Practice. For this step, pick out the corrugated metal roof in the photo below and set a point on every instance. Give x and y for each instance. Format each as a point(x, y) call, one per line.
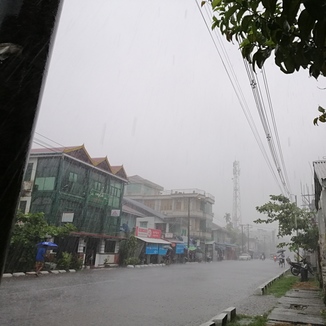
point(320, 170)
point(152, 240)
point(136, 203)
point(129, 210)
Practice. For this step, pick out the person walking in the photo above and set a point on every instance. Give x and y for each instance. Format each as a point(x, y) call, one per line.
point(40, 257)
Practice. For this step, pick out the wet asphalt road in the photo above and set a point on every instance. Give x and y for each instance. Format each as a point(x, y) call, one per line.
point(175, 295)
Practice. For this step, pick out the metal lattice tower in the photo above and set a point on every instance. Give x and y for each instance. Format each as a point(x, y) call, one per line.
point(236, 211)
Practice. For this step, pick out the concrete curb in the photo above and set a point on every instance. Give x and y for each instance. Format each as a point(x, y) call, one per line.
point(262, 289)
point(18, 274)
point(225, 317)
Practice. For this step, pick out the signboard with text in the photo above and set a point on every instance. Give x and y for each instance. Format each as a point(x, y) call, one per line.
point(148, 233)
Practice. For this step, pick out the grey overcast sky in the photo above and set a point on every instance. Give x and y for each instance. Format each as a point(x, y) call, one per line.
point(141, 82)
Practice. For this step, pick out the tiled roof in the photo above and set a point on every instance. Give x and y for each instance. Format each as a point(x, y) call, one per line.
point(102, 163)
point(119, 171)
point(81, 153)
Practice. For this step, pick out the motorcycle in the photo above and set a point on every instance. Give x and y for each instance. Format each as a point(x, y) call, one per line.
point(297, 266)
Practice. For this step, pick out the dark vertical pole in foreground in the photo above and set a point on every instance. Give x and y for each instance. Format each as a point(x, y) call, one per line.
point(27, 29)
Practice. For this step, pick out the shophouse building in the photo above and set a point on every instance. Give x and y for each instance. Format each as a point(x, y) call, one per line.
point(69, 186)
point(187, 213)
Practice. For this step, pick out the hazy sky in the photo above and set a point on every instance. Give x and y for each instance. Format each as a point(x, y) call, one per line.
point(141, 82)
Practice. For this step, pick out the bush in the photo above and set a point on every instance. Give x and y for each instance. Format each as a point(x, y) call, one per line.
point(132, 261)
point(65, 261)
point(76, 262)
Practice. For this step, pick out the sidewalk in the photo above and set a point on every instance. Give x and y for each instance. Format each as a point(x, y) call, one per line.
point(299, 306)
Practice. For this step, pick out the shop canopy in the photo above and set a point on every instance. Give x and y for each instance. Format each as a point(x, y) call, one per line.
point(153, 240)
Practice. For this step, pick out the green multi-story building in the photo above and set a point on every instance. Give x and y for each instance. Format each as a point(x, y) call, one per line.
point(71, 187)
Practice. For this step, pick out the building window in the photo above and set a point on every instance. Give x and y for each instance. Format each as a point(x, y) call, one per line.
point(72, 177)
point(178, 205)
point(28, 172)
point(22, 206)
point(166, 205)
point(46, 183)
point(143, 224)
point(150, 203)
point(97, 186)
point(110, 246)
point(115, 194)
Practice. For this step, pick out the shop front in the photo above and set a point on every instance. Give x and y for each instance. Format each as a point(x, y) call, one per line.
point(152, 250)
point(179, 251)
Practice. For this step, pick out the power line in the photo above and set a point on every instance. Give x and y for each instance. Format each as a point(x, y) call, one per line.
point(238, 91)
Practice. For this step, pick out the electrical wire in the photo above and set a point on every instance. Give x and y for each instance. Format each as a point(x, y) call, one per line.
point(238, 91)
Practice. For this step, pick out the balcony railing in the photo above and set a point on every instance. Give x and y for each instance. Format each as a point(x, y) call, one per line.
point(192, 191)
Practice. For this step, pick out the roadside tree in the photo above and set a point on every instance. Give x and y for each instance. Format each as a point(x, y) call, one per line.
point(293, 31)
point(29, 230)
point(297, 223)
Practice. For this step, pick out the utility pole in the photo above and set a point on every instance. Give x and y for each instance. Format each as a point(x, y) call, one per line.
point(236, 211)
point(241, 238)
point(248, 236)
point(296, 228)
point(188, 224)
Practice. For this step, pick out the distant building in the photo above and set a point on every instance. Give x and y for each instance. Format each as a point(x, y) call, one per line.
point(69, 186)
point(222, 242)
point(183, 209)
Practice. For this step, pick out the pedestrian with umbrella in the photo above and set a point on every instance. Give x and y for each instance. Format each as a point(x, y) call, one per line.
point(40, 254)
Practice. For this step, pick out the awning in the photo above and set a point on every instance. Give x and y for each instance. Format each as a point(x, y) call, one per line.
point(175, 241)
point(153, 240)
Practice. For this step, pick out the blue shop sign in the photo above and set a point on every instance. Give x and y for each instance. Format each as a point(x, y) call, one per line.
point(162, 251)
point(151, 249)
point(179, 249)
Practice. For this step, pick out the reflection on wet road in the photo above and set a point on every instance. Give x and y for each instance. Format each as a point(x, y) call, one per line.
point(177, 295)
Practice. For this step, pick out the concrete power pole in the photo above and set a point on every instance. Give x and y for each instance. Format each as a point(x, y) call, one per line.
point(236, 211)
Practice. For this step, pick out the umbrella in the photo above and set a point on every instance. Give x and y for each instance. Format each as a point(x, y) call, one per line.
point(280, 251)
point(47, 244)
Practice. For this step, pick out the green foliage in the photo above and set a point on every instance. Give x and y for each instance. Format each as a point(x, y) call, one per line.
point(127, 249)
point(282, 285)
point(65, 261)
point(132, 261)
point(76, 262)
point(291, 219)
point(322, 116)
point(235, 235)
point(29, 230)
point(245, 320)
point(293, 30)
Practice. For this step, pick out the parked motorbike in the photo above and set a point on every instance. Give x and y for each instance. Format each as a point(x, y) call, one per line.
point(296, 266)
